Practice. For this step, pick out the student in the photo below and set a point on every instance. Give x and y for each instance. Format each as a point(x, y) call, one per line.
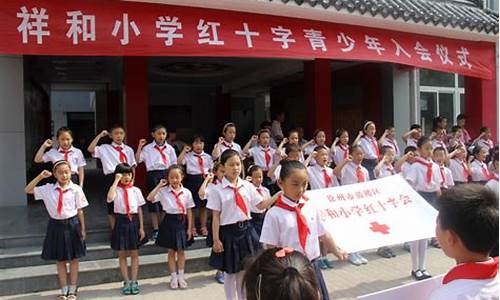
point(281, 274)
point(262, 154)
point(320, 175)
point(319, 139)
point(492, 184)
point(256, 177)
point(234, 238)
point(440, 158)
point(212, 179)
point(351, 171)
point(438, 137)
point(293, 139)
point(484, 139)
point(340, 146)
point(440, 124)
point(411, 137)
point(385, 168)
point(198, 164)
point(478, 169)
point(65, 151)
point(456, 138)
point(111, 155)
point(292, 152)
point(467, 229)
point(389, 139)
point(175, 229)
point(403, 164)
point(65, 238)
point(226, 141)
point(291, 224)
point(157, 156)
point(458, 165)
point(424, 177)
point(366, 139)
point(466, 138)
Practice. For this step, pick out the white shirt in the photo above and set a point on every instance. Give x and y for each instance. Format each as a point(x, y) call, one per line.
point(393, 144)
point(152, 157)
point(135, 200)
point(411, 142)
point(225, 146)
point(317, 177)
point(73, 199)
point(457, 170)
point(341, 153)
point(110, 157)
point(259, 156)
point(492, 184)
point(222, 199)
point(446, 177)
point(405, 167)
point(192, 163)
point(263, 194)
point(75, 157)
point(310, 149)
point(476, 170)
point(386, 170)
point(168, 201)
point(348, 174)
point(280, 228)
point(368, 145)
point(417, 176)
point(276, 173)
point(438, 143)
point(488, 144)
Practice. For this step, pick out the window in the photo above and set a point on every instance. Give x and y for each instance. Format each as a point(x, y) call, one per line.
point(491, 4)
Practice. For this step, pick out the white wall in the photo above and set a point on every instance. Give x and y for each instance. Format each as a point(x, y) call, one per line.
point(402, 98)
point(62, 102)
point(12, 161)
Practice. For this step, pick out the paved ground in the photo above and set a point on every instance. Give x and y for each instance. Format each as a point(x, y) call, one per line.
point(344, 282)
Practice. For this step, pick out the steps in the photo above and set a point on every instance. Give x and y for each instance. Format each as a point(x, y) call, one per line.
point(23, 271)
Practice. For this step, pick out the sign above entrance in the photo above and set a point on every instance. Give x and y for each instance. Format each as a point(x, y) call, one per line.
point(116, 28)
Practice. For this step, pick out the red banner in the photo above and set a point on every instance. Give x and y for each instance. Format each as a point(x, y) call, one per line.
point(116, 28)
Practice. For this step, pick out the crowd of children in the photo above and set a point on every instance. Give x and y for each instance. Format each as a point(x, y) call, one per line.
point(243, 210)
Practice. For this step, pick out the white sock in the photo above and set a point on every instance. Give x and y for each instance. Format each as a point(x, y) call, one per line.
point(239, 286)
point(173, 275)
point(414, 255)
point(180, 273)
point(422, 251)
point(230, 286)
point(72, 289)
point(64, 290)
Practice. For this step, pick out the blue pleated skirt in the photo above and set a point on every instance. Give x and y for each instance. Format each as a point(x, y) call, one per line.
point(125, 234)
point(173, 232)
point(258, 221)
point(63, 240)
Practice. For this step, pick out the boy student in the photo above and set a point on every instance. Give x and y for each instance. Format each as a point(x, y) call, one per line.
point(467, 230)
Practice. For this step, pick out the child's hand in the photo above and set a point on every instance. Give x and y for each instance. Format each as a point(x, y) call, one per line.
point(163, 182)
point(48, 143)
point(310, 142)
point(118, 176)
point(221, 140)
point(433, 134)
point(186, 149)
point(45, 174)
point(360, 133)
point(83, 234)
point(336, 140)
point(218, 247)
point(248, 178)
point(210, 176)
point(471, 158)
point(340, 254)
point(314, 154)
point(348, 159)
point(284, 141)
point(142, 234)
point(254, 138)
point(142, 142)
point(283, 157)
point(104, 133)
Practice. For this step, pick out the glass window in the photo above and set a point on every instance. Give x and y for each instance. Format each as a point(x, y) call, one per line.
point(460, 81)
point(428, 110)
point(434, 78)
point(446, 108)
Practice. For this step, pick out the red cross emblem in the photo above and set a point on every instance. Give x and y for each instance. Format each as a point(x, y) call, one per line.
point(382, 228)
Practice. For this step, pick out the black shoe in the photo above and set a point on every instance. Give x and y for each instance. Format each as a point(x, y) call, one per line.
point(417, 275)
point(426, 274)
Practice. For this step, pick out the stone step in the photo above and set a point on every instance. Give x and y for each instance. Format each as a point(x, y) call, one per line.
point(31, 279)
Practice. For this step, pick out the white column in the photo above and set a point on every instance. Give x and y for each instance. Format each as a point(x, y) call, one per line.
point(404, 103)
point(12, 134)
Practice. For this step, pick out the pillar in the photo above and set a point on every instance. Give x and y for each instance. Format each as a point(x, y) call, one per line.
point(12, 132)
point(481, 105)
point(318, 97)
point(136, 105)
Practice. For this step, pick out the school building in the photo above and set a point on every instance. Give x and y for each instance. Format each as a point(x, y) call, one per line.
point(194, 65)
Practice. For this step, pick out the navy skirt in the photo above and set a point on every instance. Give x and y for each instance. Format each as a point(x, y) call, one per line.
point(152, 180)
point(63, 240)
point(193, 183)
point(258, 221)
point(125, 234)
point(430, 197)
point(321, 281)
point(210, 237)
point(108, 181)
point(173, 232)
point(370, 165)
point(240, 241)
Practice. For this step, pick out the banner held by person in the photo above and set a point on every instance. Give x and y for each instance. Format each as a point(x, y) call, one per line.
point(373, 214)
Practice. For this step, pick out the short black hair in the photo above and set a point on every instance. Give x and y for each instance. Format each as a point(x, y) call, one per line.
point(410, 149)
point(385, 148)
point(439, 149)
point(62, 130)
point(198, 137)
point(287, 166)
point(116, 126)
point(228, 154)
point(157, 127)
point(174, 167)
point(483, 129)
point(471, 211)
point(318, 148)
point(291, 148)
point(340, 131)
point(123, 168)
point(461, 117)
point(421, 141)
point(354, 147)
point(415, 126)
point(254, 168)
point(455, 128)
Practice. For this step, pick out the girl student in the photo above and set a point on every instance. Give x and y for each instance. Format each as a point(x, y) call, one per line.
point(175, 229)
point(319, 139)
point(293, 139)
point(65, 238)
point(65, 151)
point(351, 171)
point(484, 139)
point(340, 146)
point(291, 224)
point(424, 176)
point(389, 139)
point(212, 179)
point(128, 232)
point(262, 153)
point(459, 167)
point(256, 177)
point(111, 155)
point(198, 164)
point(157, 156)
point(478, 169)
point(403, 164)
point(366, 139)
point(234, 238)
point(413, 135)
point(226, 141)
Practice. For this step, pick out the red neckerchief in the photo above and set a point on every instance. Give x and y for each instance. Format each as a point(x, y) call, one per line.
point(201, 165)
point(267, 155)
point(345, 150)
point(125, 188)
point(160, 149)
point(327, 180)
point(476, 271)
point(65, 153)
point(303, 229)
point(122, 156)
point(229, 146)
point(464, 169)
point(428, 164)
point(374, 143)
point(60, 199)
